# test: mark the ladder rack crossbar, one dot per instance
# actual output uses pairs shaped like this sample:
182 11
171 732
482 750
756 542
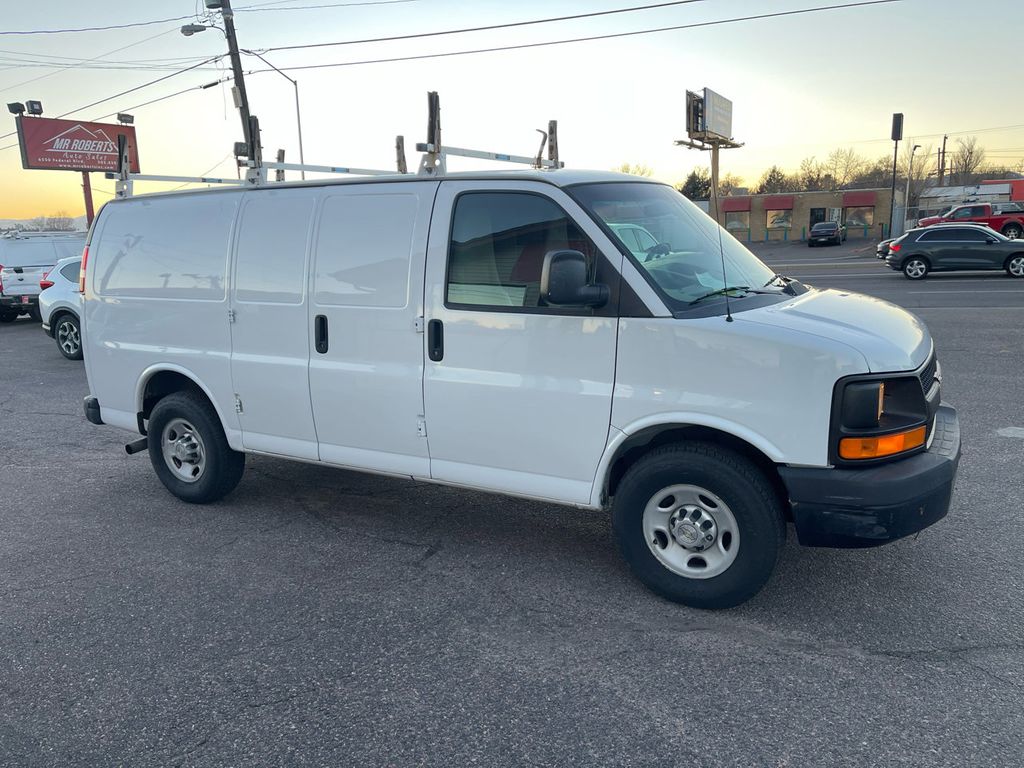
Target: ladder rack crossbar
483 155
327 169
184 179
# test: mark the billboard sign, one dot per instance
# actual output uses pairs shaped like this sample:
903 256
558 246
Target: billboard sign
717 115
73 145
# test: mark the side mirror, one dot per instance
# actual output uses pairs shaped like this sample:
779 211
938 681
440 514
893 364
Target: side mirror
563 281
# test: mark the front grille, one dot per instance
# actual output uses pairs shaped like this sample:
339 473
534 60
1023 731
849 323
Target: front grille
928 374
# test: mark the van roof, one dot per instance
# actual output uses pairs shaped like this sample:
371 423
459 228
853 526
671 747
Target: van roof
561 177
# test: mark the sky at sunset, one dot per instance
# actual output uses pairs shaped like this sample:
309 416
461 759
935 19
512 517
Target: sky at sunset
801 85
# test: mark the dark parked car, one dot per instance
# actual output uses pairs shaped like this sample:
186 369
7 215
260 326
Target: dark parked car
826 232
949 247
882 249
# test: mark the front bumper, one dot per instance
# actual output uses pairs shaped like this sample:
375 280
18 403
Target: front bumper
877 504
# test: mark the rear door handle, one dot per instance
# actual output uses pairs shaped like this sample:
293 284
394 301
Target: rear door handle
435 340
320 334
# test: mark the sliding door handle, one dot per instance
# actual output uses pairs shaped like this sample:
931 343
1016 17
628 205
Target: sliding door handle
320 334
435 340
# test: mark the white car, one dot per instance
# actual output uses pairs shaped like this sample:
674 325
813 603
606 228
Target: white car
490 331
24 258
60 306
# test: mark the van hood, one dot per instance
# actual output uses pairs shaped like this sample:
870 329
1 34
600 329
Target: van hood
889 337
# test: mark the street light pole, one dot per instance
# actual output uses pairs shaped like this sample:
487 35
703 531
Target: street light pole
236 70
298 113
910 173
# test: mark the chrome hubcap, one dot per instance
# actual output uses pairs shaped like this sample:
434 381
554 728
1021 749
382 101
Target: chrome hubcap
915 268
68 338
1013 233
183 450
691 531
1017 266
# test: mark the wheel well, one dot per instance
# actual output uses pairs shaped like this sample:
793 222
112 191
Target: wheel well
910 256
59 313
1011 257
1011 225
636 446
164 383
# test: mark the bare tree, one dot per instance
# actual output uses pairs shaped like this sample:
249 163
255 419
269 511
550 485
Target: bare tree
812 175
843 165
728 184
60 222
966 161
634 170
38 224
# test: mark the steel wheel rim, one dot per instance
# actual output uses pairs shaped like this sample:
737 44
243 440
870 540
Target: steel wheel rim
915 268
691 514
1017 266
68 338
183 450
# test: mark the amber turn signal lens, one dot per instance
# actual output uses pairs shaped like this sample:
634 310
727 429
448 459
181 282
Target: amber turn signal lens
876 447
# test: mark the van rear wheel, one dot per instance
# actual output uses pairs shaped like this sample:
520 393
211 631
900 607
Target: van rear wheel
699 525
189 451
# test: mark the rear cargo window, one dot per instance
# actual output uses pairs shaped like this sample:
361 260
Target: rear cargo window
164 248
363 250
270 261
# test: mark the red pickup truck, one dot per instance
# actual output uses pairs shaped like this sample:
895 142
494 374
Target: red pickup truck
1007 218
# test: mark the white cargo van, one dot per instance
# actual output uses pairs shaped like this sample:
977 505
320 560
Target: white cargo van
492 331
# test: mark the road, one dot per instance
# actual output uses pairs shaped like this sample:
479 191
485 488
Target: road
321 617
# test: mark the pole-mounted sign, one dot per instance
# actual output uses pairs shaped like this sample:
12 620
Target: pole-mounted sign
73 145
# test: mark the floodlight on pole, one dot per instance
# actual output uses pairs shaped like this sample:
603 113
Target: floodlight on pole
125 119
16 108
34 107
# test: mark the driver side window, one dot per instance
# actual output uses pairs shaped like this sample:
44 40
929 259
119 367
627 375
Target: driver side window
498 244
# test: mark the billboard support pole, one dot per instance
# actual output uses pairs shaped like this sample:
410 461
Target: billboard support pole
87 192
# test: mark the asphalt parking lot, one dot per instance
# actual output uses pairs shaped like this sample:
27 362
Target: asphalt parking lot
321 617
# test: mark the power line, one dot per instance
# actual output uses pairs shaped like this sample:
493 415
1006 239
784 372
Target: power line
249 9
132 90
523 46
489 27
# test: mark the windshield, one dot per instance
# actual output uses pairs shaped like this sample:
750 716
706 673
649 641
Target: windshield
685 263
824 225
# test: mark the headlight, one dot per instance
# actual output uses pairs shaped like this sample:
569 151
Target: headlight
878 418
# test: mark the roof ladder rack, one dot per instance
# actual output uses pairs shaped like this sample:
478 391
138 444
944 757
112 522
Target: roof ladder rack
434 159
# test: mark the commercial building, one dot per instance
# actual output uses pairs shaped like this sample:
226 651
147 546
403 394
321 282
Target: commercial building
865 212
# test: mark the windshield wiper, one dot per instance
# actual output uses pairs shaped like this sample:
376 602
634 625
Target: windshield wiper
787 283
727 289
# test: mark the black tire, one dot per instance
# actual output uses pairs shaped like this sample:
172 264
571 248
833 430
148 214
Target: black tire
8 317
67 332
748 496
222 467
1013 231
916 268
1015 265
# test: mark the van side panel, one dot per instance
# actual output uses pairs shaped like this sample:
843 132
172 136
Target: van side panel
156 297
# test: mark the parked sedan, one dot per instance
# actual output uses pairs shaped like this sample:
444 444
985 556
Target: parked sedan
882 249
825 232
949 248
60 306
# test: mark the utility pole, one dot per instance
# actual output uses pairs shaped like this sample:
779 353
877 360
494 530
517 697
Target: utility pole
942 162
251 136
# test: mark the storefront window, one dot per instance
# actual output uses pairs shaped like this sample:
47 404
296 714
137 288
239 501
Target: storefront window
737 220
863 216
779 219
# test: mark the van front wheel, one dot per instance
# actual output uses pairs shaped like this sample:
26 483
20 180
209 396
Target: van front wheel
699 525
189 451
